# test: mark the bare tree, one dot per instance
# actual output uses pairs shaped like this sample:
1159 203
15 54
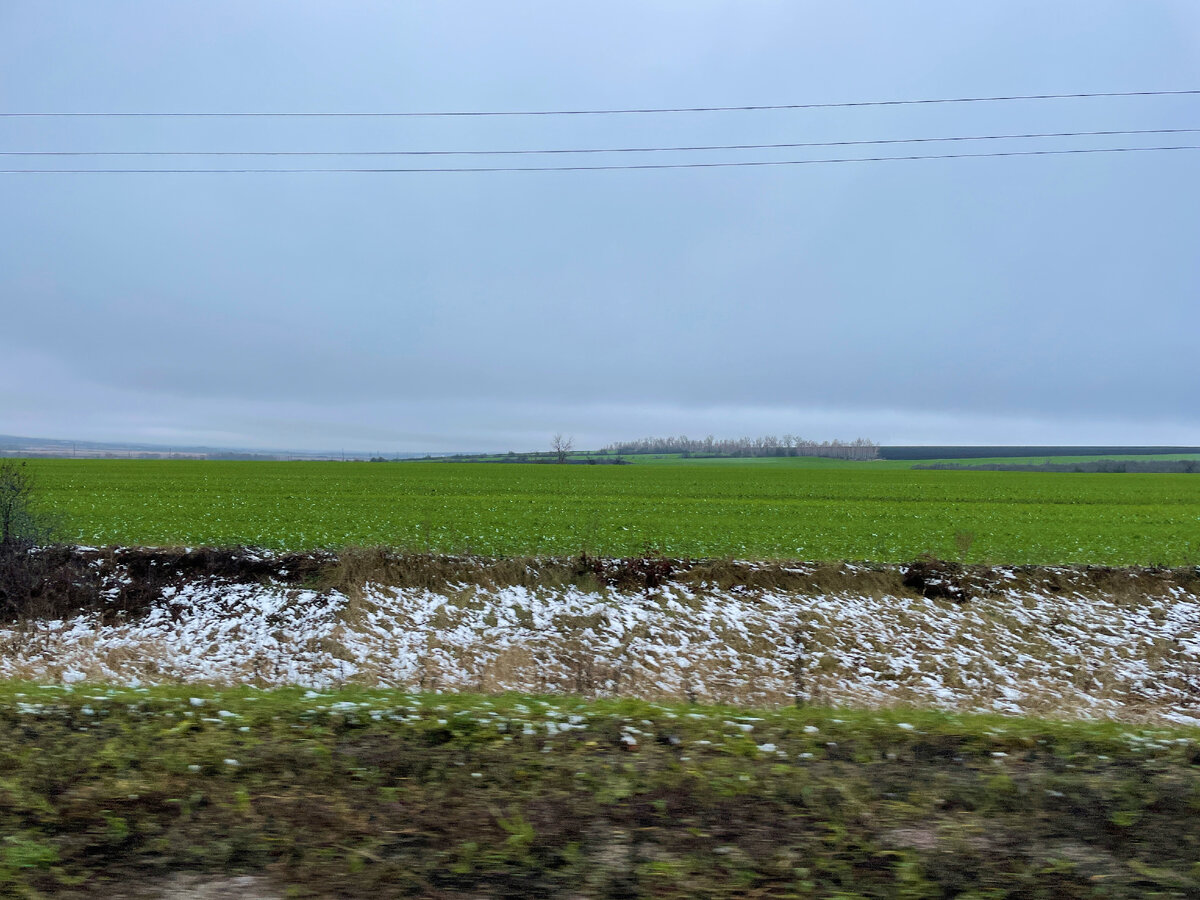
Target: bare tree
562 446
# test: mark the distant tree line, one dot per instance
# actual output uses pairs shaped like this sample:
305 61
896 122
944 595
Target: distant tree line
1159 466
767 445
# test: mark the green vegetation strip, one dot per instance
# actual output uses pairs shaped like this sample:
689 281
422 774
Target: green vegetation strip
821 511
388 794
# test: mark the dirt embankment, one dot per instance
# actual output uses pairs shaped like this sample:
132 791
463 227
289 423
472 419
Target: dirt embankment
126 582
1046 641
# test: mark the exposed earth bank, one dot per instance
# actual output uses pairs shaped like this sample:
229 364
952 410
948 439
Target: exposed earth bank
1050 641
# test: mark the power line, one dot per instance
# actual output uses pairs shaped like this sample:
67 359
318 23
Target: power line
925 140
588 112
702 165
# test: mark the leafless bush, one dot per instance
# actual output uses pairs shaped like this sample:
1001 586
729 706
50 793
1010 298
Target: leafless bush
22 523
23 528
645 572
938 579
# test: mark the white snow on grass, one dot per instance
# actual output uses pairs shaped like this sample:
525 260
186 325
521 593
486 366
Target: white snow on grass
1019 652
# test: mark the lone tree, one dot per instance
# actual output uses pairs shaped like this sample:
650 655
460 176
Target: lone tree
562 446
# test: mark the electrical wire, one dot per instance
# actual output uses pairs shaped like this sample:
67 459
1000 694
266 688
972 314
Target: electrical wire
810 144
699 165
593 112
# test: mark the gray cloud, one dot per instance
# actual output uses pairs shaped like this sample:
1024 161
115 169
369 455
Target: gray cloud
1035 300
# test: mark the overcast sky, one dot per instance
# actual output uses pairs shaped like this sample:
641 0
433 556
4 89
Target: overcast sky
1038 299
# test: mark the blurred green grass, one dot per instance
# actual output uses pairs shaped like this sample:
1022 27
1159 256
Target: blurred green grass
360 792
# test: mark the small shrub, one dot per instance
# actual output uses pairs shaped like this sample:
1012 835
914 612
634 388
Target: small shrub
937 579
23 528
646 572
22 524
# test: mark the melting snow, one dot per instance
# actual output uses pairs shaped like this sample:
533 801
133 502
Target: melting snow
1019 651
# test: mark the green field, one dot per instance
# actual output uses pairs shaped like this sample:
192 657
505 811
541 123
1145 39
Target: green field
810 510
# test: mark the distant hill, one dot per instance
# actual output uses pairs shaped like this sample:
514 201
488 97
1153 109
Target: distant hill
13 445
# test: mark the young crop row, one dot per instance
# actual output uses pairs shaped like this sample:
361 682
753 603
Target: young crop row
744 511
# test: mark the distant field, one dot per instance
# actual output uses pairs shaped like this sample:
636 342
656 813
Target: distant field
675 459
1008 451
678 459
1035 460
816 510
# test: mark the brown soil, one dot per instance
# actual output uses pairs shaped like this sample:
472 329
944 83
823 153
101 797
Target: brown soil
124 582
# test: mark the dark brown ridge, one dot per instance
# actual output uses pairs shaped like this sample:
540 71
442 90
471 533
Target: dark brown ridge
125 582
